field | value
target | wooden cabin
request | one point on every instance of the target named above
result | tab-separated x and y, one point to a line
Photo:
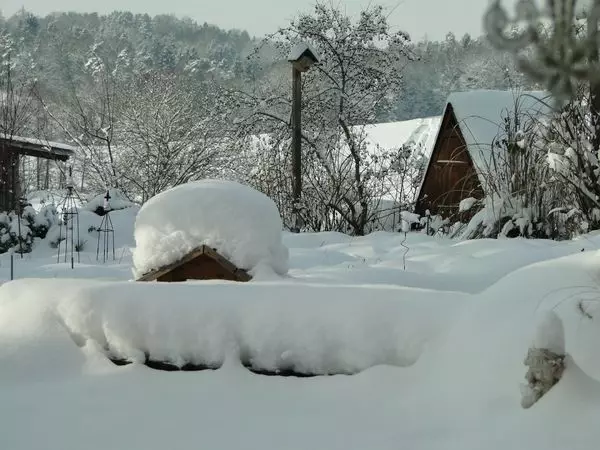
203	263
12	148
463	156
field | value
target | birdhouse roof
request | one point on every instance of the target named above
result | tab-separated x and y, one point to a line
303	49
239	274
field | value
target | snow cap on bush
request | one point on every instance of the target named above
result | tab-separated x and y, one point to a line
243	224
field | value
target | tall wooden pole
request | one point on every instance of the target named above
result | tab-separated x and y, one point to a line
296	147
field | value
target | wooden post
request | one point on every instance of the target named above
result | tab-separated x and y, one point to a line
296	147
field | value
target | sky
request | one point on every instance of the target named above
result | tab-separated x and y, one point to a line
420	18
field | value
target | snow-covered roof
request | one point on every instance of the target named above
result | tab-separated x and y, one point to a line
389	135
420	133
480	115
40	145
298	49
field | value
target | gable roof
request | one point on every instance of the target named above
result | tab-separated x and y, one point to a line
301	49
239	274
480	116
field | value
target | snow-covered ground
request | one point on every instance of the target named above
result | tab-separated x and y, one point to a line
434	331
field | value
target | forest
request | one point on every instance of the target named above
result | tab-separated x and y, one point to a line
155	102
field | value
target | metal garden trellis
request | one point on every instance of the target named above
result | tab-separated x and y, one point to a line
106	232
69	219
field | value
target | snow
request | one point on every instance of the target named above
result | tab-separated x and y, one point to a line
47	145
391	135
379	139
436	350
239	222
117	201
550	334
467	203
480	115
272	327
297	50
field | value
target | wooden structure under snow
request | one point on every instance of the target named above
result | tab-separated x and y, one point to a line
203	263
12	148
464	156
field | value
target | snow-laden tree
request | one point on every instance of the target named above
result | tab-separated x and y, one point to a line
87	115
167	134
17	103
17	111
562	44
359	77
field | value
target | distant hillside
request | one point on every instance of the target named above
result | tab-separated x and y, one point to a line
61	44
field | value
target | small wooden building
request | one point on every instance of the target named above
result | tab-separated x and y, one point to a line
12	148
203	263
463	154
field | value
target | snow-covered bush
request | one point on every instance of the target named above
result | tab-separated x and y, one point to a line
503	217
520	191
117	201
43	220
571	138
17	233
241	223
555	43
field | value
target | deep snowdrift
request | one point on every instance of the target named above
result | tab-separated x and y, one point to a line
306	329
241	223
442	370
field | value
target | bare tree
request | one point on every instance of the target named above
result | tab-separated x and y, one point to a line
167	135
360	75
16	113
87	115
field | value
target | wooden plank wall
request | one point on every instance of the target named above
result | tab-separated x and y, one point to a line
451	175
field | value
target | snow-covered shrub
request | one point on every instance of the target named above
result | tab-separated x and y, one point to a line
556	45
503	217
117	201
571	138
40	222
239	222
17	233
520	190
20	236
53	236
433	224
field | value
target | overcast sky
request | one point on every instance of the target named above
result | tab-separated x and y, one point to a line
433	18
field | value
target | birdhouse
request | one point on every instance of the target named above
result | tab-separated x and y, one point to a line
203	263
302	57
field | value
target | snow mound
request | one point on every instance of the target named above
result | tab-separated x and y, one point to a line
241	223
271	326
550	334
117	201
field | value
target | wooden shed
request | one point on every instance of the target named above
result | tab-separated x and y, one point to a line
463	154
12	148
203	263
